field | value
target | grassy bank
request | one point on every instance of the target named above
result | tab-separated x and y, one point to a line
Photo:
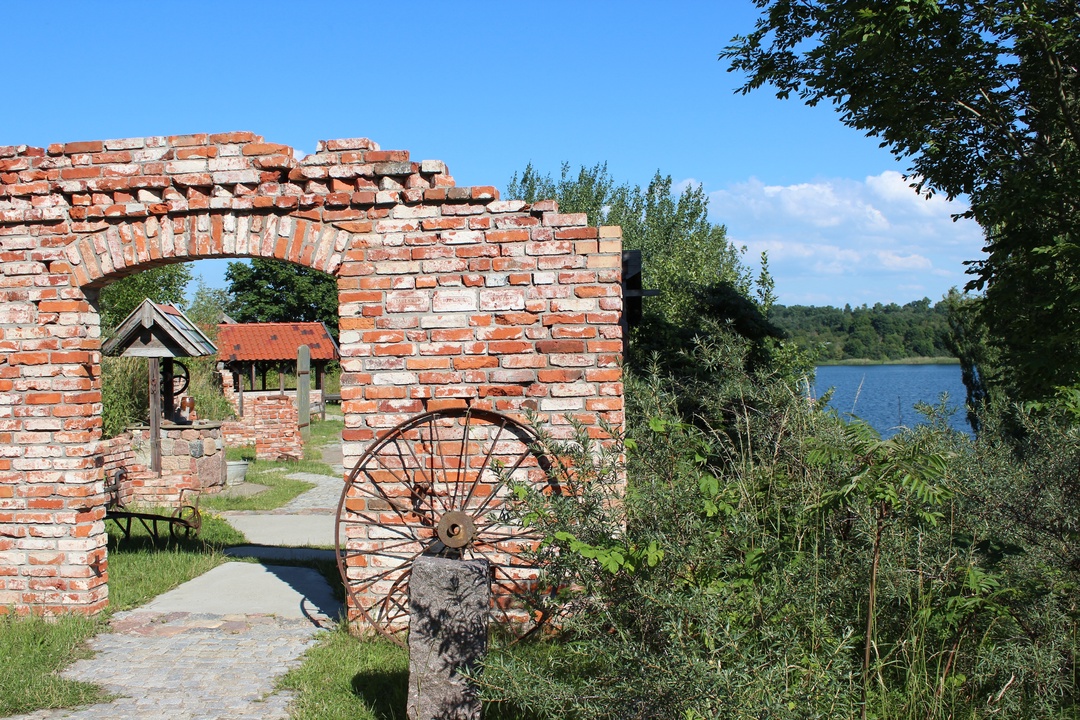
34	651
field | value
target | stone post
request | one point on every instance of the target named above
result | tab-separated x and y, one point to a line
449	603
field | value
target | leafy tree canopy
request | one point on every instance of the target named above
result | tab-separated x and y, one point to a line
273	291
983	98
163	284
881	332
208	307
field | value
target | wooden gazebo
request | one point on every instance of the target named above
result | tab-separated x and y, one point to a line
248	349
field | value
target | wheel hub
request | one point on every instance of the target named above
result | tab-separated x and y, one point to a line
456	529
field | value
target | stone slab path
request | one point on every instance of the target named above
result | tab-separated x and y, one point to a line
188	666
213	648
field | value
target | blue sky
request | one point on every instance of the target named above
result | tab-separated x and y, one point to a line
488	87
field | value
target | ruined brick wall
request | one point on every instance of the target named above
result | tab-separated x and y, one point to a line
276	425
243	430
237	433
118	454
192	458
229	381
447	295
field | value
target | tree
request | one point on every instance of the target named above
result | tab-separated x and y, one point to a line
208	307
685	256
983	99
273	291
165	284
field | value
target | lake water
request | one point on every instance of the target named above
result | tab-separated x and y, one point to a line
884	396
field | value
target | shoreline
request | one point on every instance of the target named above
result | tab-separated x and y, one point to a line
899	361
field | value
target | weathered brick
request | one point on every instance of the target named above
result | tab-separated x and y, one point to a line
447	294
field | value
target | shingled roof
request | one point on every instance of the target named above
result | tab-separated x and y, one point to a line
158	330
245	342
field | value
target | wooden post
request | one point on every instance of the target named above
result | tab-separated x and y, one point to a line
320	378
155	415
303	390
238	383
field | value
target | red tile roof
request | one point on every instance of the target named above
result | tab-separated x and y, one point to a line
274	341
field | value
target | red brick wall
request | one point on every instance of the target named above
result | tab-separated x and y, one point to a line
446	294
276	427
259	424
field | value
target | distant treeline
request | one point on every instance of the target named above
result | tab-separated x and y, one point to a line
881	332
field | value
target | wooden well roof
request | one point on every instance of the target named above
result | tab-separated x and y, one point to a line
157	330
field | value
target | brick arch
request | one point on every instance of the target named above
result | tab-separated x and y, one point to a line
447	295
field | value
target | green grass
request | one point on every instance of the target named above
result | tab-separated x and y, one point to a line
324	432
280	490
348	678
343	677
34	650
273	473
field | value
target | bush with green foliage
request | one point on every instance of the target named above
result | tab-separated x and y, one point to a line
766	559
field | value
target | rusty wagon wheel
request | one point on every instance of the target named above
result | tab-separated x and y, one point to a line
442	483
185	524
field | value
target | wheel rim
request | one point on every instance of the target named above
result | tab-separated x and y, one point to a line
441	483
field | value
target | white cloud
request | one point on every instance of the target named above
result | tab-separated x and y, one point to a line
874	240
896	261
682	185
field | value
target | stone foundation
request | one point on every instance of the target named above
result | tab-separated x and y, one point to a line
192	458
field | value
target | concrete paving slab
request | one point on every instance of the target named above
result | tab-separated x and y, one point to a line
280	529
237	588
245	489
271	552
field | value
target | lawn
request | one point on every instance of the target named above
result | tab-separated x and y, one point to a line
274	473
34	651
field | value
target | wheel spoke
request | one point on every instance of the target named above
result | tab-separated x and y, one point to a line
429	480
483	467
504	478
463	459
377	523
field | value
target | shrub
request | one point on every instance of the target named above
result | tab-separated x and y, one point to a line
766	559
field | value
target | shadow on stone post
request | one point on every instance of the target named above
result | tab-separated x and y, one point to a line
449	603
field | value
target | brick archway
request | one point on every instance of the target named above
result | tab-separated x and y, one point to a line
447	295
